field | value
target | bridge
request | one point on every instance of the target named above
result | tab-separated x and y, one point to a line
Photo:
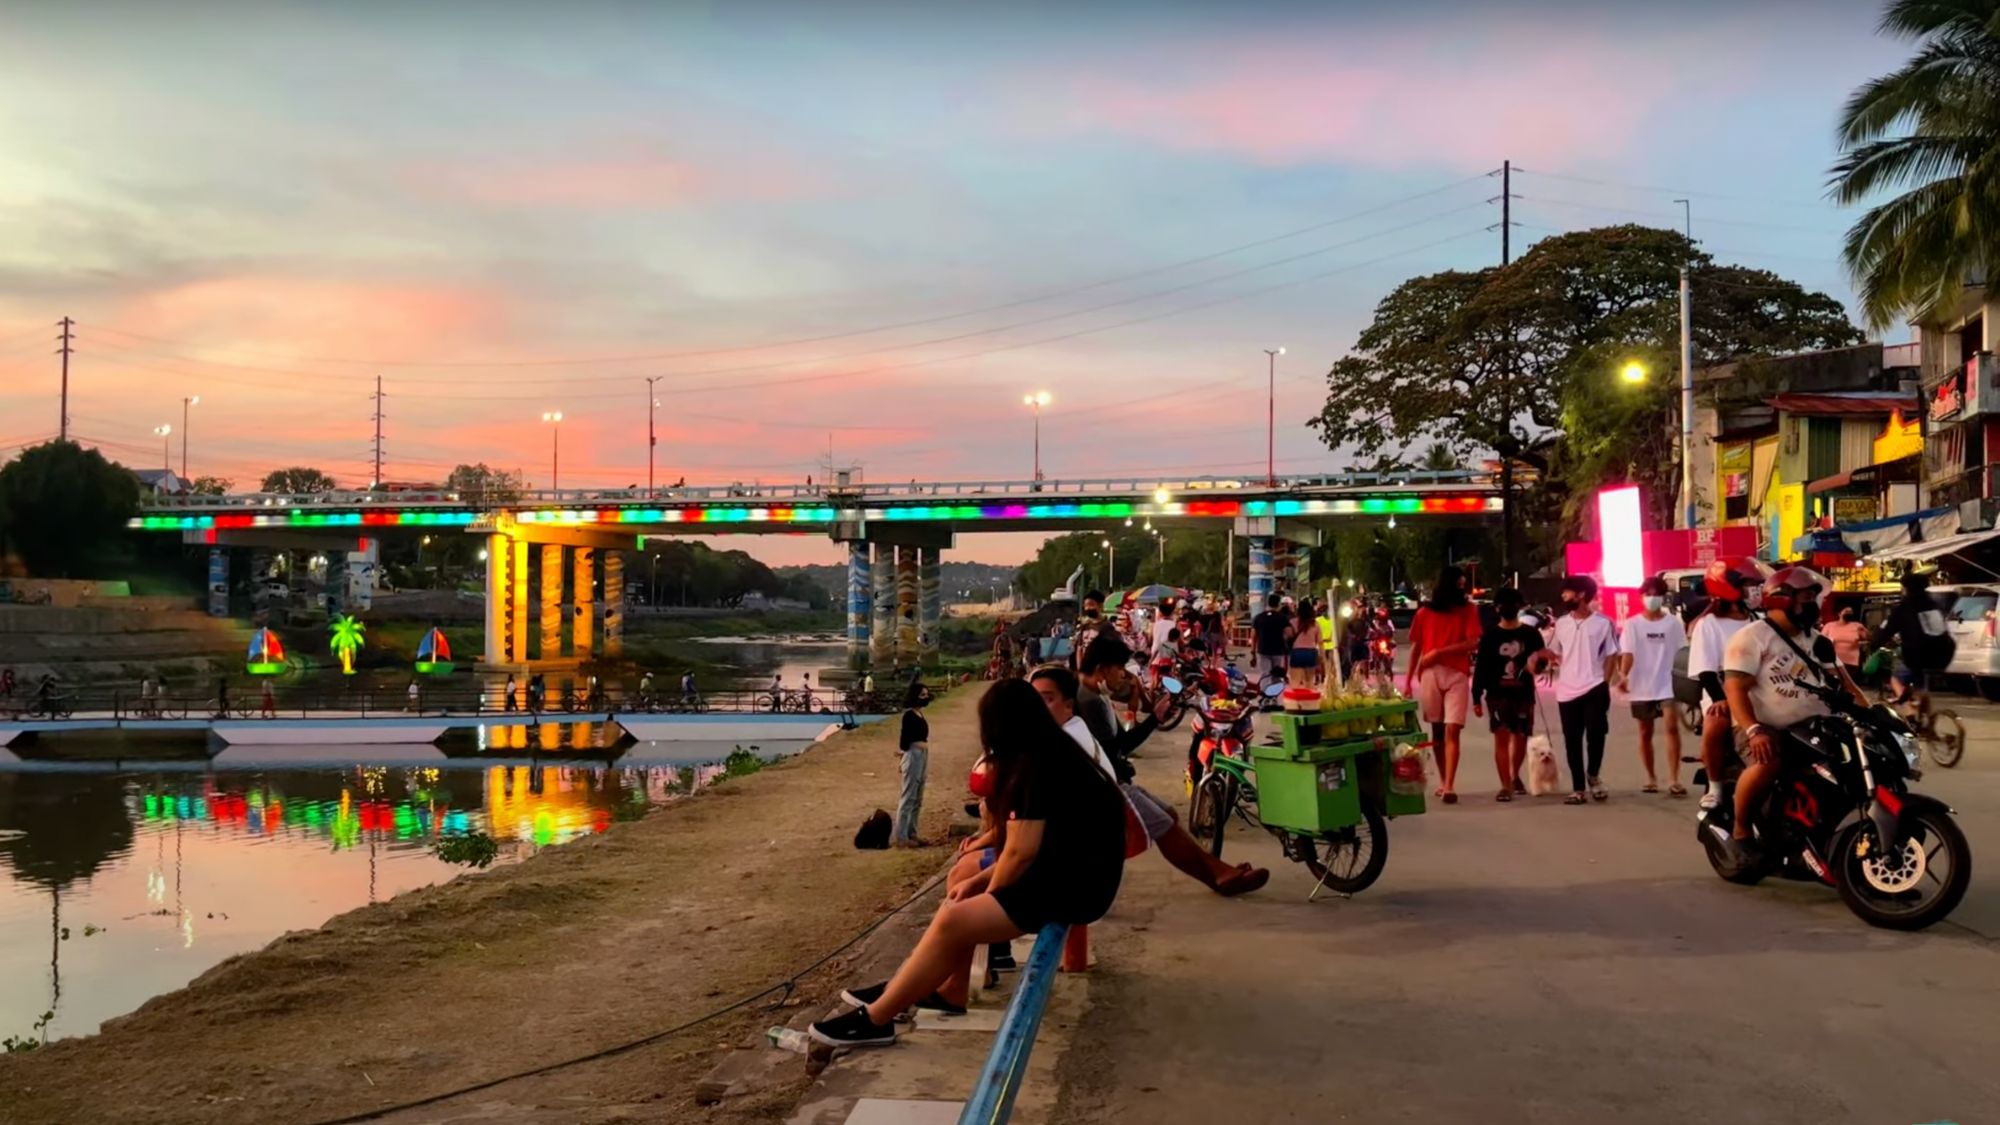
895	534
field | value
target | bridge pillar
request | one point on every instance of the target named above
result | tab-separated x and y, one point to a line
859	595
882	634
614	604
1260	571
500	580
551	646
1285	567
583	592
930	604
907	587
218	582
517	592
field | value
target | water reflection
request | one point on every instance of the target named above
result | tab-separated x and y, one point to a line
122	884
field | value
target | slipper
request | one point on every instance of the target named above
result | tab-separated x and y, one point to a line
1574	799
1651	787
1504	795
1598	793
1242	883
1520	788
1677	790
1451	798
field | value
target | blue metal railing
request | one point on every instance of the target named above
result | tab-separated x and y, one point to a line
992	1100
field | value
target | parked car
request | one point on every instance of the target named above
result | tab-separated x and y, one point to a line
1969	617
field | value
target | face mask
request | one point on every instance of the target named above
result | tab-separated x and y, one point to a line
1805	614
1655	603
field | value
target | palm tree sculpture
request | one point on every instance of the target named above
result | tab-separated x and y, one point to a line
347	641
1917	252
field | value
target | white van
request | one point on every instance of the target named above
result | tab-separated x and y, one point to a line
1969	618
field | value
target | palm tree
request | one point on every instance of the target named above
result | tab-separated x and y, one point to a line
1934	127
347	641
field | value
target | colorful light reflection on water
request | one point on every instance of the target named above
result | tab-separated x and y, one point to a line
175	872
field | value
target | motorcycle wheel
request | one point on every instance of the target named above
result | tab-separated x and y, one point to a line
1352	859
1176	711
1904	893
1946	743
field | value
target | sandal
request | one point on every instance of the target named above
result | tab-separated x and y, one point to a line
1677	790
1504	795
1576	798
1450	798
1598	793
1651	787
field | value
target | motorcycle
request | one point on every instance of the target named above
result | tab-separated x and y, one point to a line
1183	693
1840	813
1382	655
1223	727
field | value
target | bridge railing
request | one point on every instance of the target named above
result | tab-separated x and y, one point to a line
992	1098
245	701
799	493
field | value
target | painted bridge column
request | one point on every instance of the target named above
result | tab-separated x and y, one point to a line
882	635
614	604
517	590
551	646
1260	571
583	591
930	605
907	587
859	595
499	599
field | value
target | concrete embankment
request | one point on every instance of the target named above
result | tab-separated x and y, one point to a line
583	947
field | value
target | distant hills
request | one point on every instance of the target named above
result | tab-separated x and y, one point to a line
961	581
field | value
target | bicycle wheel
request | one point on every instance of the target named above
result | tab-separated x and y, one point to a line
1691	717
1350	860
1946	741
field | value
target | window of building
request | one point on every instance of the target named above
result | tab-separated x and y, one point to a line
1822	447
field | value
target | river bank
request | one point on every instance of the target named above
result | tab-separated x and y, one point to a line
580	948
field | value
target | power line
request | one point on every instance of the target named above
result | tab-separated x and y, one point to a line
849	334
66	336
1821	205
1670	215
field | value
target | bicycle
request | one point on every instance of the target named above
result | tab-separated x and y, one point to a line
1939	733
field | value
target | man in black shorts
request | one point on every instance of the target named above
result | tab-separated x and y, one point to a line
1503	682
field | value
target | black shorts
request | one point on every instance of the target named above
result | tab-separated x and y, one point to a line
1511	712
1649	708
1039	900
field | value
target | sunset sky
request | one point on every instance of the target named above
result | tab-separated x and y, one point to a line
870	222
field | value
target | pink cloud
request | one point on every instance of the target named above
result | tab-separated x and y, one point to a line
1392	100
632	177
277	315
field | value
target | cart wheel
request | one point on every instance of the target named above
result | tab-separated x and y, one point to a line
1351	859
1947	739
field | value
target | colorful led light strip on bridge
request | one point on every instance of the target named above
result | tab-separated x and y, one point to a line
920	513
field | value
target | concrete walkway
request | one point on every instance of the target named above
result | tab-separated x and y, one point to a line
1536	963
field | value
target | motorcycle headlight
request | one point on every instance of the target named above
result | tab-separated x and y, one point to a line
1907	742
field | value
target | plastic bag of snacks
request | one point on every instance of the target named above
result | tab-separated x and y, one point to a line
1406	771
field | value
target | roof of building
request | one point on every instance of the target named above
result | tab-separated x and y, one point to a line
1844	402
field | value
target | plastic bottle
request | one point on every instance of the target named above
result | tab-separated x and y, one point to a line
789	1039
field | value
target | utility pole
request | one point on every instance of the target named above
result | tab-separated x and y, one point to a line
1687	378
652	436
1271	417
1506	447
377	482
64	338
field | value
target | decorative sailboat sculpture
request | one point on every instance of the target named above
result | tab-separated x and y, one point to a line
434	655
266	656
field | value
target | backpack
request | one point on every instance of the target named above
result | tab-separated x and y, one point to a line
874	832
1929	648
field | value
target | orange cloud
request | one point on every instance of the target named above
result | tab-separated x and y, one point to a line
636	178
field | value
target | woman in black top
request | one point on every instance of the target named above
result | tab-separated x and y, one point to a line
1061	863
913	754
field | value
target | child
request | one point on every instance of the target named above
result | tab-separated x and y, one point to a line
1503	678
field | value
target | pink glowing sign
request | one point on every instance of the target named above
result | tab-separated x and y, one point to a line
1618	533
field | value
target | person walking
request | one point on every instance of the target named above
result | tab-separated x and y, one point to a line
507	694
1443	637
1728	613
1302	667
1647	648
1585	649
913	750
1848	634
269	700
1503	683
1268	630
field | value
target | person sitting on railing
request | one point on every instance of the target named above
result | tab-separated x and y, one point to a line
1061	864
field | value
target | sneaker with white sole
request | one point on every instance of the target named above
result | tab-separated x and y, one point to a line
1711	798
868	994
854	1029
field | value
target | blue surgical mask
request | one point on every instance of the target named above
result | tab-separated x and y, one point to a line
1655	603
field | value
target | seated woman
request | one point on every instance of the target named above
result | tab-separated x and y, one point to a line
1060	862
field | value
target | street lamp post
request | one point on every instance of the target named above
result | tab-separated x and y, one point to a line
554	419
1036	401
166	448
1271	418
652	436
186	404
1110	565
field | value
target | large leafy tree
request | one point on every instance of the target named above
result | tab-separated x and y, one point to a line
482	484
1523	357
1933	128
297	480
63	509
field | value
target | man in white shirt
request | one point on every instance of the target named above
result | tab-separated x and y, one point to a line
1767	664
1585	650
1727	613
1648	645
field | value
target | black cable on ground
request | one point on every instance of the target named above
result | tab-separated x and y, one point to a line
786	987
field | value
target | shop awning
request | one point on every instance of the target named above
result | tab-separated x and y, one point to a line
1934	548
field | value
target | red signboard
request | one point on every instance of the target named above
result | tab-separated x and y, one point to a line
1949	398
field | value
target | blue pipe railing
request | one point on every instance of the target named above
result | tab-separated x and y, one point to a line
992	1100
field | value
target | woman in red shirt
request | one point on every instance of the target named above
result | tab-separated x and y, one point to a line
1442	640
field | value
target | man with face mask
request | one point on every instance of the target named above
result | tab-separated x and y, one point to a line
1647	648
1585	647
1727	613
1766	662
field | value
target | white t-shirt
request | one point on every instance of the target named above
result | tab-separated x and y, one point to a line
1760	651
1652	645
1710	642
1080	730
1584	646
1161	628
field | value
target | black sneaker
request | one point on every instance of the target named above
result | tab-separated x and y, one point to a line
864	996
1740	855
854	1029
940	1005
1000	958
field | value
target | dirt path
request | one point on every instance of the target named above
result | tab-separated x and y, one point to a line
585	946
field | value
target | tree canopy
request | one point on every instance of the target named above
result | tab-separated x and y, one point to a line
211	486
482	484
1932	127
63	509
297	480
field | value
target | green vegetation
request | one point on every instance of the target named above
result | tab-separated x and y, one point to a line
1932	127
1192	558
741	763
468	849
297	480
14	1045
63	510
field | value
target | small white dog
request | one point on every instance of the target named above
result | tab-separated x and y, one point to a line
1541	766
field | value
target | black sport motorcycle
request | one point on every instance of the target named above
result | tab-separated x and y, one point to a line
1840	813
